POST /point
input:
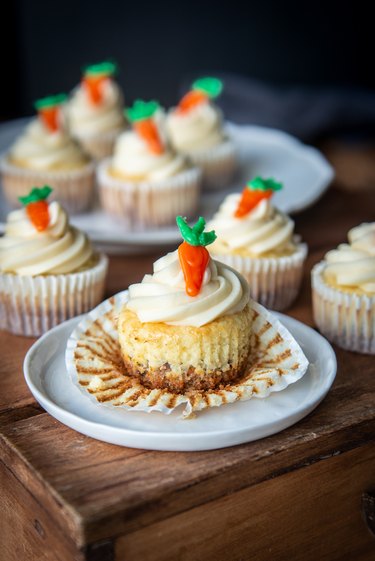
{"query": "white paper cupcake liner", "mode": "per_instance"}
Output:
(99, 146)
(93, 360)
(74, 189)
(33, 305)
(274, 282)
(345, 318)
(149, 204)
(218, 164)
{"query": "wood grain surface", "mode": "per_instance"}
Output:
(66, 496)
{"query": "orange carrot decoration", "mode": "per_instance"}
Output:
(49, 111)
(140, 115)
(193, 254)
(254, 192)
(201, 91)
(37, 207)
(94, 76)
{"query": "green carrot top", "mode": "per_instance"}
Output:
(50, 101)
(36, 194)
(211, 87)
(260, 184)
(141, 110)
(195, 236)
(105, 68)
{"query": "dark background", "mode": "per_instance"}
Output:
(158, 44)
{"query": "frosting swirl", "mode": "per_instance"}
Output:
(262, 231)
(86, 118)
(40, 149)
(60, 249)
(133, 159)
(353, 265)
(161, 297)
(197, 129)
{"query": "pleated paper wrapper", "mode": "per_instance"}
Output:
(94, 362)
(218, 164)
(345, 318)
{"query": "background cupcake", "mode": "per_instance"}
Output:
(196, 129)
(257, 240)
(49, 271)
(145, 182)
(96, 110)
(343, 289)
(46, 153)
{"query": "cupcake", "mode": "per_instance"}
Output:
(187, 326)
(196, 130)
(46, 153)
(49, 271)
(145, 182)
(257, 240)
(95, 110)
(343, 290)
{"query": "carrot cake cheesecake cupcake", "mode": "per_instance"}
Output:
(188, 325)
(95, 110)
(49, 271)
(145, 182)
(196, 130)
(343, 290)
(258, 240)
(46, 153)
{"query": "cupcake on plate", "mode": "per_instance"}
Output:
(145, 182)
(95, 110)
(258, 240)
(187, 326)
(46, 153)
(49, 271)
(196, 130)
(343, 290)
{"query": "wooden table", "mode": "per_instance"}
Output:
(296, 495)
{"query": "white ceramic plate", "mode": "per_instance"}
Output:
(305, 173)
(240, 422)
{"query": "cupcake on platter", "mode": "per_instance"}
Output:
(196, 130)
(95, 110)
(258, 240)
(145, 182)
(49, 271)
(188, 325)
(343, 290)
(46, 153)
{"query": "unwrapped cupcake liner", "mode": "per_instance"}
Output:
(149, 204)
(74, 189)
(345, 318)
(218, 164)
(99, 146)
(274, 281)
(93, 360)
(33, 305)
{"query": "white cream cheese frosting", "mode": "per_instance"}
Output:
(59, 249)
(133, 159)
(262, 231)
(87, 118)
(40, 149)
(352, 265)
(197, 129)
(161, 297)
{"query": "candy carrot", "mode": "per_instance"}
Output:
(254, 192)
(94, 77)
(201, 91)
(49, 110)
(193, 254)
(140, 115)
(37, 207)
